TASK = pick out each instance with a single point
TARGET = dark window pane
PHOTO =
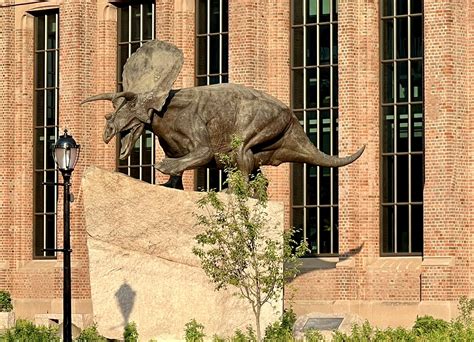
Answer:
(39, 34)
(324, 10)
(324, 44)
(311, 11)
(324, 87)
(40, 70)
(311, 184)
(416, 228)
(123, 170)
(225, 79)
(201, 55)
(417, 128)
(335, 132)
(416, 6)
(39, 235)
(51, 31)
(201, 81)
(402, 81)
(387, 83)
(324, 185)
(50, 141)
(123, 31)
(50, 233)
(335, 87)
(135, 154)
(135, 172)
(388, 233)
(311, 88)
(388, 180)
(148, 21)
(50, 192)
(214, 179)
(335, 186)
(51, 68)
(325, 131)
(311, 45)
(214, 66)
(325, 230)
(146, 174)
(416, 80)
(402, 7)
(402, 37)
(417, 178)
(297, 183)
(39, 192)
(51, 107)
(416, 36)
(39, 148)
(147, 147)
(298, 88)
(214, 80)
(387, 43)
(388, 129)
(202, 15)
(312, 126)
(402, 178)
(402, 129)
(387, 7)
(297, 12)
(312, 229)
(334, 44)
(201, 179)
(298, 47)
(402, 229)
(225, 16)
(298, 224)
(134, 47)
(225, 54)
(335, 230)
(214, 16)
(39, 108)
(135, 34)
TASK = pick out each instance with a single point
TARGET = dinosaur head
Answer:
(127, 121)
(148, 76)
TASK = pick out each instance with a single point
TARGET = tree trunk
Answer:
(257, 321)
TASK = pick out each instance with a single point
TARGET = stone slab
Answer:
(142, 269)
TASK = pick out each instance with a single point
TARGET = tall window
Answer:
(46, 132)
(136, 25)
(402, 121)
(211, 65)
(315, 103)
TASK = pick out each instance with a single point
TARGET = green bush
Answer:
(281, 330)
(427, 324)
(130, 333)
(313, 336)
(90, 334)
(5, 301)
(194, 331)
(26, 331)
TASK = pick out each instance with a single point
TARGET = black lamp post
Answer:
(66, 154)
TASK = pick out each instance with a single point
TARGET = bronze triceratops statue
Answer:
(195, 125)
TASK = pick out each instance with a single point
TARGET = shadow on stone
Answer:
(125, 297)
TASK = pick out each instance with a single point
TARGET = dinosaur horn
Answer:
(128, 95)
(105, 96)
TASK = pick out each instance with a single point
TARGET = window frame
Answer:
(394, 104)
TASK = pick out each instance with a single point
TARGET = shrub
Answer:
(5, 301)
(26, 331)
(194, 331)
(281, 330)
(240, 336)
(427, 324)
(90, 334)
(465, 307)
(313, 336)
(130, 333)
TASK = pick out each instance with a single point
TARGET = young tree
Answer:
(236, 248)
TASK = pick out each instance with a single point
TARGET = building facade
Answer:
(391, 233)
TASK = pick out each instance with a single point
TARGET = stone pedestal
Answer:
(142, 269)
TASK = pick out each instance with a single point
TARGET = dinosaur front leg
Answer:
(176, 166)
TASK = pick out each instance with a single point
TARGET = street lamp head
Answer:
(66, 153)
